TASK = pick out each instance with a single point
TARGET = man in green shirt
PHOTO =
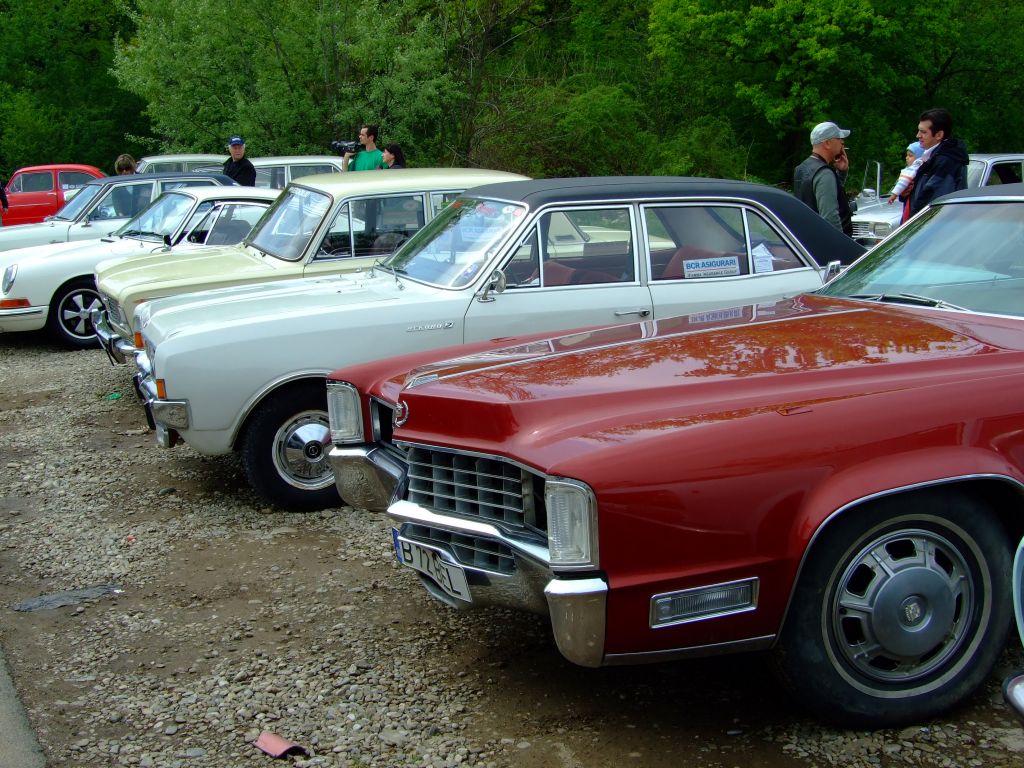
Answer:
(370, 158)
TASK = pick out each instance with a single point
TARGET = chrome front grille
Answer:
(114, 314)
(861, 229)
(473, 551)
(486, 488)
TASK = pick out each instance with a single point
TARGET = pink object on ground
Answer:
(277, 746)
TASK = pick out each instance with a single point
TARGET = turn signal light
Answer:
(137, 339)
(14, 303)
(161, 389)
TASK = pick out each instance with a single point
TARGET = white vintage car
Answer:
(244, 368)
(102, 206)
(876, 219)
(52, 286)
(322, 225)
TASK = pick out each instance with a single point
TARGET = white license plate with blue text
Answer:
(430, 562)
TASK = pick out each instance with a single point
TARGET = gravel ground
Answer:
(231, 619)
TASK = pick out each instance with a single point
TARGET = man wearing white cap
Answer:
(818, 180)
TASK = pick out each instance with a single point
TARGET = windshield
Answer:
(970, 255)
(74, 207)
(287, 227)
(164, 216)
(452, 249)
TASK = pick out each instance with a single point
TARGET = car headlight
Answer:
(882, 228)
(344, 412)
(572, 524)
(9, 274)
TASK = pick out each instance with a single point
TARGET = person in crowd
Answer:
(238, 166)
(124, 198)
(945, 169)
(818, 181)
(915, 156)
(370, 157)
(393, 157)
(124, 165)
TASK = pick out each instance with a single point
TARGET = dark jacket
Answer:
(944, 172)
(243, 171)
(804, 188)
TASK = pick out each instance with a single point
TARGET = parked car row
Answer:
(676, 416)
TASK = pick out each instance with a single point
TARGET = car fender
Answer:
(851, 488)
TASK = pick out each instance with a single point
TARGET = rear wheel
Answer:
(70, 321)
(901, 610)
(284, 450)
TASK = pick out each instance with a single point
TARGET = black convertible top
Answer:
(821, 239)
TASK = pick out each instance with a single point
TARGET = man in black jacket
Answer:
(238, 166)
(818, 180)
(945, 169)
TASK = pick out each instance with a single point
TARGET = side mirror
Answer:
(832, 271)
(496, 284)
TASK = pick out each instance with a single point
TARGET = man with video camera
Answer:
(365, 157)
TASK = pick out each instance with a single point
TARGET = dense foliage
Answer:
(545, 87)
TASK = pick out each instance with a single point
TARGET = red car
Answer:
(838, 477)
(39, 191)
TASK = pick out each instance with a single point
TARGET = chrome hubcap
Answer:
(903, 605)
(300, 451)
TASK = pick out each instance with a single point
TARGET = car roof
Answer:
(826, 242)
(996, 192)
(294, 160)
(59, 167)
(993, 156)
(224, 180)
(184, 156)
(226, 192)
(405, 179)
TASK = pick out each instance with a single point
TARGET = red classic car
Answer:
(838, 476)
(39, 191)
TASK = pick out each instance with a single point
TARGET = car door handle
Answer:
(642, 311)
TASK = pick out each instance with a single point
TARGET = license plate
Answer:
(451, 578)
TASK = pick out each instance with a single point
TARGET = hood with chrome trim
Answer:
(675, 375)
(197, 269)
(280, 302)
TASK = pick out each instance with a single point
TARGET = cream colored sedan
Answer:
(324, 224)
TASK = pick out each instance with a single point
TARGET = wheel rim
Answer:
(74, 313)
(300, 451)
(903, 606)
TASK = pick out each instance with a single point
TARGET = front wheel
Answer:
(70, 320)
(284, 450)
(901, 610)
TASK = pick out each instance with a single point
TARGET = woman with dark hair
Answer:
(393, 157)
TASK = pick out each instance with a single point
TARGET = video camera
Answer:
(344, 147)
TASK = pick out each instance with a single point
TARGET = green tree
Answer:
(290, 75)
(58, 100)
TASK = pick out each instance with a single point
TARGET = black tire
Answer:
(901, 610)
(284, 449)
(69, 321)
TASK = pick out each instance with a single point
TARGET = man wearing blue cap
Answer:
(818, 180)
(238, 166)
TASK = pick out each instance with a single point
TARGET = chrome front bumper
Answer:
(165, 417)
(370, 477)
(118, 349)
